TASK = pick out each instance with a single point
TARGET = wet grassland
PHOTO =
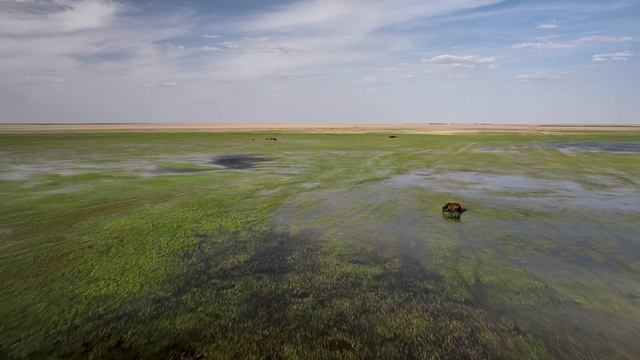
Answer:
(195, 245)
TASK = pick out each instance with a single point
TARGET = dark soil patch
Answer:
(238, 161)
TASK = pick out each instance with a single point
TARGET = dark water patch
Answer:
(598, 146)
(239, 161)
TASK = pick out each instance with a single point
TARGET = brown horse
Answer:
(453, 207)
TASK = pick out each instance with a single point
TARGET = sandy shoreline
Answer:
(311, 128)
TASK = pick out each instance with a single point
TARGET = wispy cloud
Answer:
(320, 35)
(210, 48)
(602, 39)
(47, 17)
(544, 42)
(618, 56)
(164, 84)
(544, 45)
(74, 37)
(467, 61)
(538, 76)
(356, 16)
(548, 26)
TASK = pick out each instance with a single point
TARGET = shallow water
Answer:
(563, 261)
(524, 191)
(189, 163)
(604, 146)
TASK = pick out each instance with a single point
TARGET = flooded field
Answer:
(603, 146)
(527, 192)
(195, 245)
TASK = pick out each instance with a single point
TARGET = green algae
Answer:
(316, 255)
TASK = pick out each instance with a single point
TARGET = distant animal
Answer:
(453, 207)
(392, 136)
(271, 139)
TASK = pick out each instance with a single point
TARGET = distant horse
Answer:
(453, 208)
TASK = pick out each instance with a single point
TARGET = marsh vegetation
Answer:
(196, 245)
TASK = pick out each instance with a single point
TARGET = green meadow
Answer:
(316, 246)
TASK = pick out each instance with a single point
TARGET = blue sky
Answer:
(312, 61)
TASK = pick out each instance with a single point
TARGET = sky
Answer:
(320, 61)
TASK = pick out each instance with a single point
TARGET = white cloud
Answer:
(538, 76)
(592, 39)
(210, 48)
(618, 56)
(58, 16)
(164, 84)
(350, 20)
(323, 35)
(43, 78)
(601, 39)
(548, 26)
(229, 45)
(85, 40)
(468, 61)
(544, 45)
(301, 38)
(303, 14)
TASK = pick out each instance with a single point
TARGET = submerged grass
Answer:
(312, 254)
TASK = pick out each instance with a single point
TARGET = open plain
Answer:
(194, 241)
